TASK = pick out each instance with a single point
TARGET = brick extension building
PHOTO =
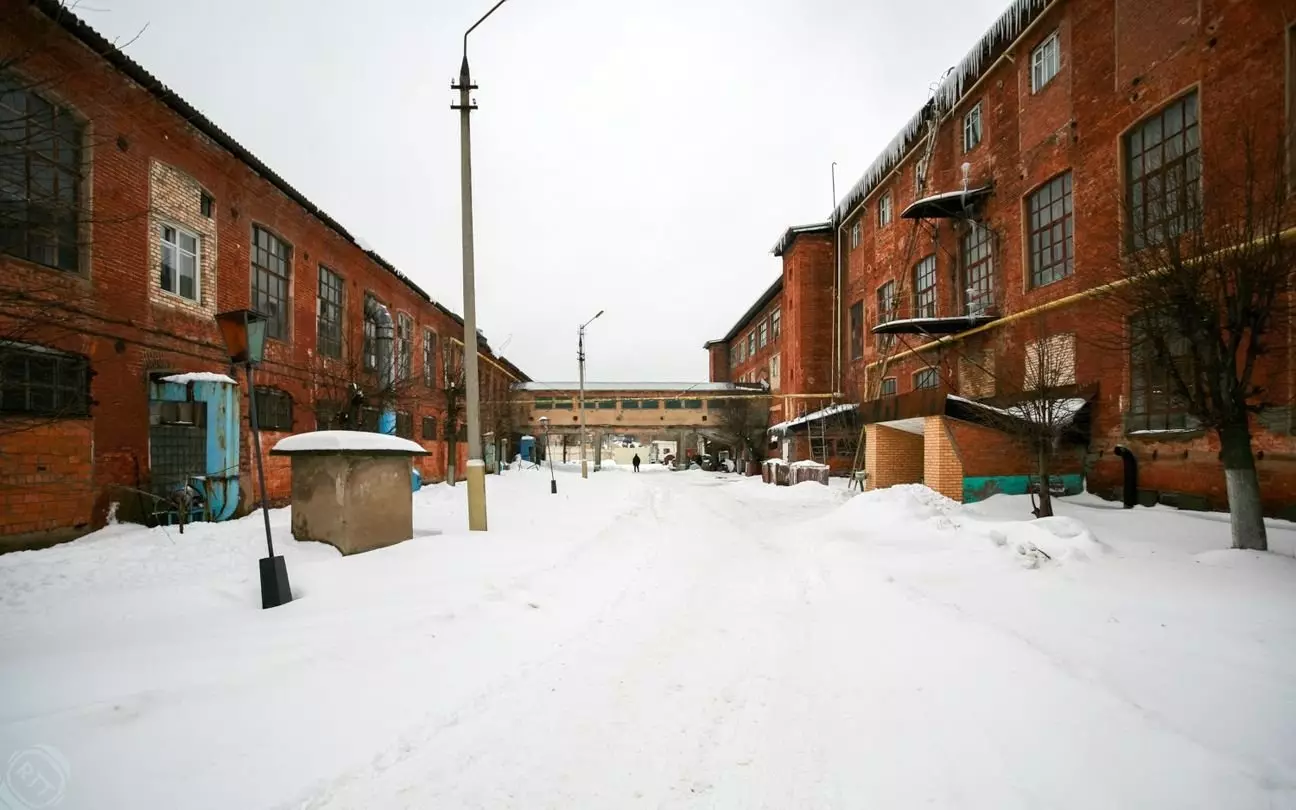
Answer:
(974, 241)
(127, 220)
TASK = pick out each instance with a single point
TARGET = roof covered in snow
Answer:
(199, 376)
(945, 204)
(790, 235)
(814, 416)
(347, 441)
(667, 387)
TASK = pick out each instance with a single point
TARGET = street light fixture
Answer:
(476, 466)
(244, 332)
(553, 482)
(580, 355)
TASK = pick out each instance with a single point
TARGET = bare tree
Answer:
(742, 421)
(1208, 295)
(453, 386)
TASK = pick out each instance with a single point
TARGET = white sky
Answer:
(636, 157)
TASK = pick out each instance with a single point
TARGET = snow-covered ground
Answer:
(663, 640)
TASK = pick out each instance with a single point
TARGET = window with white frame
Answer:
(972, 128)
(884, 210)
(855, 235)
(179, 270)
(1046, 60)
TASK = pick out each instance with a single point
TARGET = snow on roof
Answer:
(811, 417)
(346, 441)
(672, 387)
(945, 196)
(805, 462)
(1058, 412)
(199, 376)
(1008, 27)
(532, 438)
(792, 232)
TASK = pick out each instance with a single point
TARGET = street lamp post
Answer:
(476, 466)
(553, 482)
(244, 333)
(580, 356)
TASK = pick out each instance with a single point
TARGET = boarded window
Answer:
(274, 409)
(976, 374)
(1050, 362)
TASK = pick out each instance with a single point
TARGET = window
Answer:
(886, 310)
(857, 330)
(763, 336)
(925, 288)
(273, 409)
(1050, 362)
(774, 372)
(404, 425)
(1051, 232)
(751, 343)
(370, 336)
(452, 372)
(1163, 173)
(328, 314)
(673, 404)
(179, 262)
(404, 346)
(884, 210)
(40, 178)
(429, 357)
(693, 404)
(889, 387)
(271, 258)
(629, 404)
(205, 204)
(330, 415)
(855, 234)
(776, 322)
(972, 128)
(429, 428)
(36, 380)
(978, 276)
(562, 404)
(742, 350)
(1046, 60)
(927, 378)
(1155, 403)
(733, 356)
(650, 404)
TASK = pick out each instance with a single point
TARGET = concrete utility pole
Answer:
(476, 466)
(580, 357)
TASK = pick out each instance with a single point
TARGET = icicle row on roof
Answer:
(1005, 29)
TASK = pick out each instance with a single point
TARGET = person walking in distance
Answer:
(635, 462)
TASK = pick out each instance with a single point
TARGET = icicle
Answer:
(948, 93)
(967, 174)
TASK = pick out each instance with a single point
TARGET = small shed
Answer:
(807, 470)
(350, 488)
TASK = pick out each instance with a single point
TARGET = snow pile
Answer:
(1055, 539)
(199, 376)
(348, 441)
(883, 510)
(808, 464)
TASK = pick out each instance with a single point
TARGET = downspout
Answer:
(384, 329)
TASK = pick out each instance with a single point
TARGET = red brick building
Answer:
(127, 221)
(973, 244)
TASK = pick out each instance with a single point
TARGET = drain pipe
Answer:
(384, 329)
(1129, 487)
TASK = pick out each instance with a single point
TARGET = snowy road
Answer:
(667, 640)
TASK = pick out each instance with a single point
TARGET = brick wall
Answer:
(807, 315)
(942, 466)
(45, 472)
(892, 457)
(1121, 60)
(144, 165)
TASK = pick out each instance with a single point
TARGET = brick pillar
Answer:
(942, 467)
(892, 457)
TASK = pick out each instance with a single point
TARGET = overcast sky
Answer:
(636, 157)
